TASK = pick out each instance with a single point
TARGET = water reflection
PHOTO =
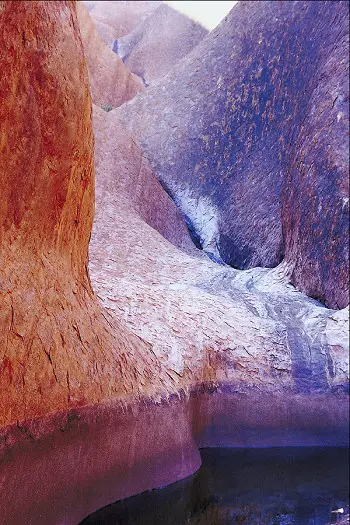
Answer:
(244, 487)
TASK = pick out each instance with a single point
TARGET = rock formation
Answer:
(109, 386)
(57, 347)
(129, 180)
(114, 19)
(158, 43)
(111, 83)
(250, 121)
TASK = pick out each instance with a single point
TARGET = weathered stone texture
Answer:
(111, 83)
(315, 210)
(57, 349)
(255, 114)
(158, 43)
(107, 394)
(205, 322)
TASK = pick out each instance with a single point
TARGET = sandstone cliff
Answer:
(57, 347)
(108, 386)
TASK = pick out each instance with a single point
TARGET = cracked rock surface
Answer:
(57, 348)
(207, 322)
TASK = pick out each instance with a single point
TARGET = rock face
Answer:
(111, 83)
(57, 348)
(315, 211)
(204, 321)
(250, 121)
(114, 19)
(106, 394)
(158, 43)
(129, 179)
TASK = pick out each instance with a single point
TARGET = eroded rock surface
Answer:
(159, 42)
(114, 19)
(208, 322)
(111, 82)
(106, 395)
(57, 348)
(252, 129)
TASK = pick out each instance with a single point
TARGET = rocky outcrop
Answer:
(252, 129)
(111, 83)
(158, 43)
(114, 19)
(109, 386)
(57, 348)
(208, 322)
(129, 179)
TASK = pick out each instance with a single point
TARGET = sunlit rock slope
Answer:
(159, 42)
(111, 83)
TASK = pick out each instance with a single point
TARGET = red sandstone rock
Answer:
(97, 404)
(159, 42)
(57, 348)
(111, 82)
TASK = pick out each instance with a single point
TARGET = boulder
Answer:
(251, 126)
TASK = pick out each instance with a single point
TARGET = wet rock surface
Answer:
(243, 122)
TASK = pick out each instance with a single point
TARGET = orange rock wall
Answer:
(57, 348)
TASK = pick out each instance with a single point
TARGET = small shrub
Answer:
(106, 107)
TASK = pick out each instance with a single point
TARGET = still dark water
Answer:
(280, 486)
